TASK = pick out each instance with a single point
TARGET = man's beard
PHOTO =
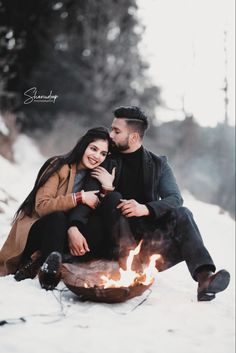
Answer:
(119, 147)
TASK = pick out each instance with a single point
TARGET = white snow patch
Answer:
(3, 128)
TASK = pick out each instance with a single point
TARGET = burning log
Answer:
(105, 281)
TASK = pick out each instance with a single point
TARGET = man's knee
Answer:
(182, 212)
(111, 200)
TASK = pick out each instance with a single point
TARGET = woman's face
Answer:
(94, 154)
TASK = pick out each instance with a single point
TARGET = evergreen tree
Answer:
(84, 51)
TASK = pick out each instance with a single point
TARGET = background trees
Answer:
(84, 51)
(203, 159)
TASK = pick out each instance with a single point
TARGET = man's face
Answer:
(120, 134)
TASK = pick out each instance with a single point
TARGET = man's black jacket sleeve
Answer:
(167, 192)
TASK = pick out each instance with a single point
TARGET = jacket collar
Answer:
(148, 173)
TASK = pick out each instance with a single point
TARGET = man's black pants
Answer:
(175, 236)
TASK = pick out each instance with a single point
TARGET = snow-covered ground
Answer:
(170, 320)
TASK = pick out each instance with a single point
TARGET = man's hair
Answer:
(134, 117)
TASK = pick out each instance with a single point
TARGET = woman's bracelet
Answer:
(79, 197)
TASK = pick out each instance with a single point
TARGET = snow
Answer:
(169, 319)
(3, 128)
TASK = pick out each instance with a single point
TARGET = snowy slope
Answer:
(170, 320)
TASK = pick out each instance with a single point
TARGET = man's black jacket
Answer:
(160, 188)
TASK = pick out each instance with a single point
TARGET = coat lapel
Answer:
(118, 171)
(72, 172)
(148, 173)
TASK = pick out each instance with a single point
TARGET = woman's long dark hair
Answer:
(55, 163)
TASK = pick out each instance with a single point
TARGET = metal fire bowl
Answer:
(76, 275)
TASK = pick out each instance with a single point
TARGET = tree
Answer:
(84, 51)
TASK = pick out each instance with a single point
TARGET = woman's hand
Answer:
(77, 243)
(101, 174)
(90, 198)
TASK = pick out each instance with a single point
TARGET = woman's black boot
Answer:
(50, 272)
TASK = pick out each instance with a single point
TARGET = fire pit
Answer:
(105, 281)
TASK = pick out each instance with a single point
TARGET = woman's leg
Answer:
(95, 235)
(48, 234)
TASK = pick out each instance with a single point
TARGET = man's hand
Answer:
(131, 208)
(77, 243)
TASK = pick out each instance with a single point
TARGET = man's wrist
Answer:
(150, 210)
(145, 211)
(71, 229)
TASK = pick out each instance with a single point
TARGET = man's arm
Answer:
(131, 208)
(168, 191)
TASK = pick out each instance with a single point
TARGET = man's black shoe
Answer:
(50, 272)
(211, 283)
(28, 270)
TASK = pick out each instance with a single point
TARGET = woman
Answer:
(41, 231)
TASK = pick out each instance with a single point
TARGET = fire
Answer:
(128, 277)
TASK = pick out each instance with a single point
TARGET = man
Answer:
(149, 199)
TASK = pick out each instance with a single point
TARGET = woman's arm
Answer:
(105, 178)
(77, 243)
(48, 201)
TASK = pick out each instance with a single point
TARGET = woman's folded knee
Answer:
(57, 217)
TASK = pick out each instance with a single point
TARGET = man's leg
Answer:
(120, 238)
(95, 234)
(187, 235)
(189, 245)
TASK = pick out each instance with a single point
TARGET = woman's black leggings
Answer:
(49, 234)
(46, 235)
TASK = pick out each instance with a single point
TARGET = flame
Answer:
(151, 269)
(128, 277)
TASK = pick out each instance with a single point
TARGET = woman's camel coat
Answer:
(54, 195)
